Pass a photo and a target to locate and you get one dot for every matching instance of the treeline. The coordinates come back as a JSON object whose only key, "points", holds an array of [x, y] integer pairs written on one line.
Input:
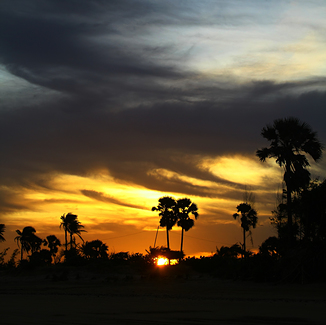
{"points": [[38, 252]]}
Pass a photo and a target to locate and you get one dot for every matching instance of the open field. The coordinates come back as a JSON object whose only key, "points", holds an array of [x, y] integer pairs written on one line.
{"points": [[79, 297]]}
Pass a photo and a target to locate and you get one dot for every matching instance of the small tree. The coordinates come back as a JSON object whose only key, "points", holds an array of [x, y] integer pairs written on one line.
{"points": [[94, 249], [53, 243]]}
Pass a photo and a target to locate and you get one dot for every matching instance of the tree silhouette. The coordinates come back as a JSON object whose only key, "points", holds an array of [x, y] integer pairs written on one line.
{"points": [[72, 226], [94, 249], [184, 207], [65, 225], [229, 252], [53, 243], [310, 210], [248, 219], [2, 230], [27, 240], [270, 247], [309, 214], [75, 228], [166, 207], [290, 140]]}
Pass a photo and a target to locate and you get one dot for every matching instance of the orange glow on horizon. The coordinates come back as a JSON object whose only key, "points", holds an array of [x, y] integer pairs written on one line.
{"points": [[119, 213]]}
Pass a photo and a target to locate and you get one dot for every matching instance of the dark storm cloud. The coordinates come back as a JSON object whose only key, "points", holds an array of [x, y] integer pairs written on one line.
{"points": [[86, 48], [125, 105], [130, 143], [65, 51]]}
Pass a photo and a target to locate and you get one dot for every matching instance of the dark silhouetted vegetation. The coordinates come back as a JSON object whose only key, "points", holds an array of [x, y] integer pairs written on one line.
{"points": [[248, 219], [94, 249], [166, 208], [2, 230], [290, 140], [72, 226], [184, 207], [177, 212], [27, 241]]}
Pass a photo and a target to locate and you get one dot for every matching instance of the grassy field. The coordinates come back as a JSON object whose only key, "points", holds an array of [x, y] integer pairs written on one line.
{"points": [[160, 297]]}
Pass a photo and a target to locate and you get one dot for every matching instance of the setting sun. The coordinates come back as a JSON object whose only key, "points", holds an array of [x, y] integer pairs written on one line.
{"points": [[161, 261]]}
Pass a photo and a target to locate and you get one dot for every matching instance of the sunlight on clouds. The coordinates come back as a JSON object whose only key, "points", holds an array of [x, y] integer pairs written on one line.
{"points": [[307, 55], [238, 169], [205, 187], [131, 205], [65, 196], [105, 220], [283, 62], [164, 173]]}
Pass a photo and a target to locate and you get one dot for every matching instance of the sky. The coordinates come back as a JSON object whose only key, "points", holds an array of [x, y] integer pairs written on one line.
{"points": [[106, 106]]}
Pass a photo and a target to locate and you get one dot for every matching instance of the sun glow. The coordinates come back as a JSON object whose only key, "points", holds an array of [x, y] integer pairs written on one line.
{"points": [[162, 261]]}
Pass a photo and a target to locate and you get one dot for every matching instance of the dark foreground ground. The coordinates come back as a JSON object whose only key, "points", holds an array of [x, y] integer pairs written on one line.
{"points": [[79, 297]]}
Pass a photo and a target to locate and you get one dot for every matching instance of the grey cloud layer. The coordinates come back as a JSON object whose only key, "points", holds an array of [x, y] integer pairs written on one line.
{"points": [[120, 105]]}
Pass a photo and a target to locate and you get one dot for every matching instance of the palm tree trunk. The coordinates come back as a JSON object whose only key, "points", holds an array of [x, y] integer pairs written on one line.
{"points": [[70, 241], [181, 240], [289, 204], [167, 237], [244, 242], [289, 211], [66, 240]]}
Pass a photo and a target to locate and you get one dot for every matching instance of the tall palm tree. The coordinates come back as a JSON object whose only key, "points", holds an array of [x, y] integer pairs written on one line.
{"points": [[166, 207], [248, 219], [71, 225], [65, 219], [184, 208], [75, 228], [2, 230], [290, 141], [27, 240]]}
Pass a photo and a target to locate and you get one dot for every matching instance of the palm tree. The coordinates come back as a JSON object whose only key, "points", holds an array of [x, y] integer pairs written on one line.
{"points": [[166, 207], [248, 219], [71, 225], [290, 140], [65, 225], [184, 207], [27, 240], [75, 228], [2, 230]]}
